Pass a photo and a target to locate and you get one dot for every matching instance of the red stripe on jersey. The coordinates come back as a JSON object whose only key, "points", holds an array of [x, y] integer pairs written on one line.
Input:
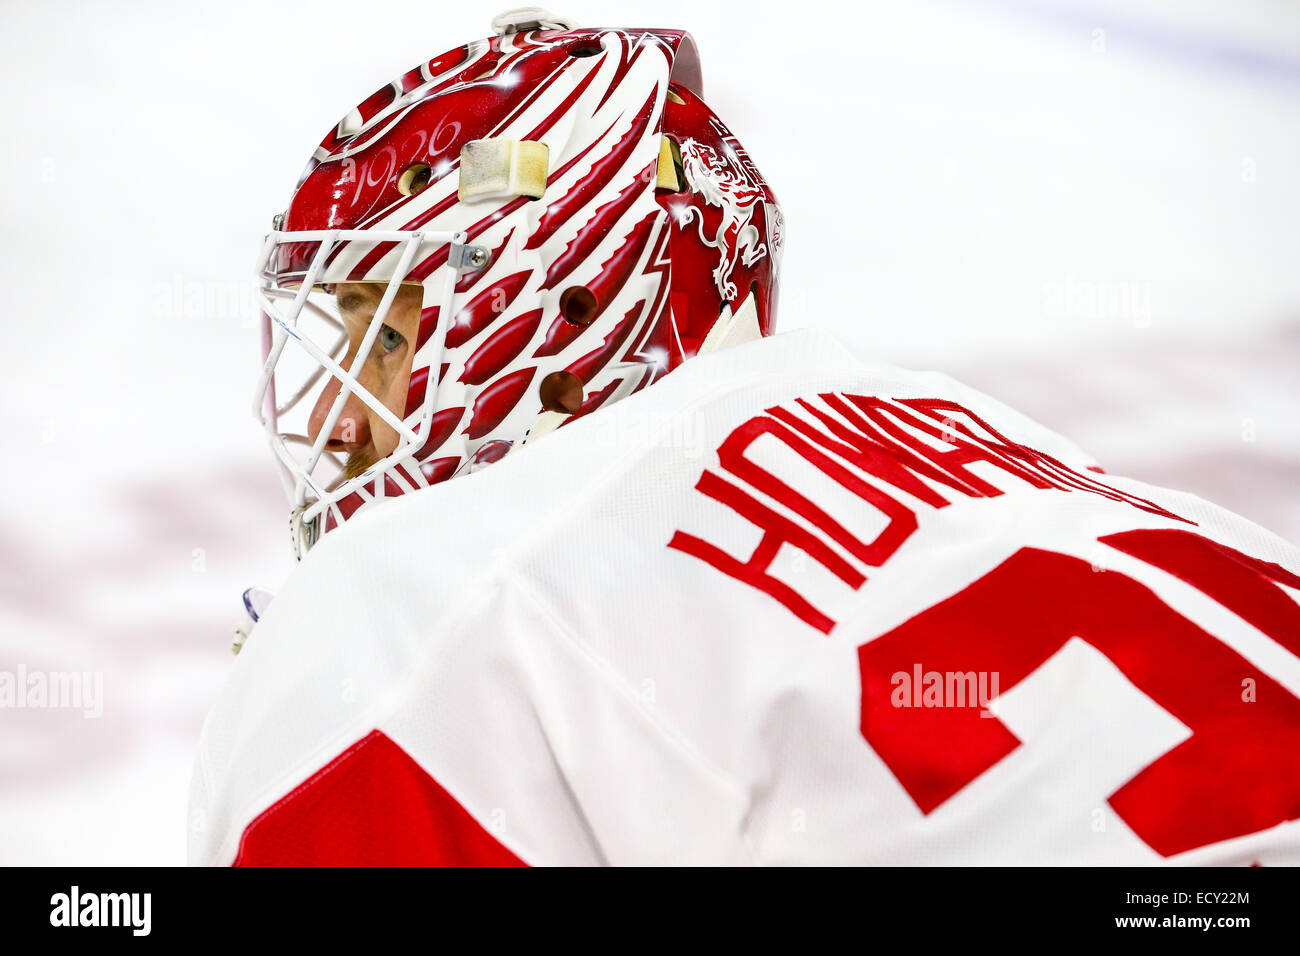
{"points": [[1237, 581], [370, 806]]}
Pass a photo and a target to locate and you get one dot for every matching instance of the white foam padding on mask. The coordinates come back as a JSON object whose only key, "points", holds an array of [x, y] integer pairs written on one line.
{"points": [[732, 329], [502, 168], [669, 161], [546, 423]]}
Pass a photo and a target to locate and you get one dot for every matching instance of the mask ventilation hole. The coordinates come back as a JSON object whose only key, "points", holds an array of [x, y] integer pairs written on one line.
{"points": [[586, 49], [578, 305], [413, 179], [561, 392]]}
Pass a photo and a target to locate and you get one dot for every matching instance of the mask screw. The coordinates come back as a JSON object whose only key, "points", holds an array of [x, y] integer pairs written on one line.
{"points": [[468, 258]]}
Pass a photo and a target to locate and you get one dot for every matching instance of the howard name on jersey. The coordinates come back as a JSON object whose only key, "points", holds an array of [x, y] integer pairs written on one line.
{"points": [[784, 607]]}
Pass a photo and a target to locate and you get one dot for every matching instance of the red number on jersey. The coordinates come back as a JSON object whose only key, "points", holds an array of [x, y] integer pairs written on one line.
{"points": [[1237, 773]]}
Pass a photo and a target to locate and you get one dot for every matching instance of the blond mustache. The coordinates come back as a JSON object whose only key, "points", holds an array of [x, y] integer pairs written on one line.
{"points": [[356, 464]]}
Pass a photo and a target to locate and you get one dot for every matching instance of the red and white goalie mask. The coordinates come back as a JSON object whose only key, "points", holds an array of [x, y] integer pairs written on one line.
{"points": [[503, 239]]}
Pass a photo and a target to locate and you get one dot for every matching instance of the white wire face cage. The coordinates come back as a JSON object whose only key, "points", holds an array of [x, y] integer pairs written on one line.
{"points": [[307, 348]]}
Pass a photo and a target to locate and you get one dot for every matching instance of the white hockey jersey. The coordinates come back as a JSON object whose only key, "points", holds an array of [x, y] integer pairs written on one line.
{"points": [[783, 607]]}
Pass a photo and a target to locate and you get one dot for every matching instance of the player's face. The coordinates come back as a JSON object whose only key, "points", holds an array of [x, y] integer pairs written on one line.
{"points": [[386, 374]]}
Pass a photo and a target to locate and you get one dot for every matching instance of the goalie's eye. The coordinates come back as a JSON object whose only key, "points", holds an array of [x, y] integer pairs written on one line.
{"points": [[390, 338]]}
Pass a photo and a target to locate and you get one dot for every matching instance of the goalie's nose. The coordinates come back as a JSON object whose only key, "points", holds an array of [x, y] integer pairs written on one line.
{"points": [[352, 430]]}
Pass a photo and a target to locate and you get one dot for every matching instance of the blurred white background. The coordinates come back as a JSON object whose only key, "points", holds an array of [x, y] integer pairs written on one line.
{"points": [[1090, 210]]}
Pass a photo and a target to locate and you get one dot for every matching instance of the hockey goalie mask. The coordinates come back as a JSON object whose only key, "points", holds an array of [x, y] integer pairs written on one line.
{"points": [[506, 238]]}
